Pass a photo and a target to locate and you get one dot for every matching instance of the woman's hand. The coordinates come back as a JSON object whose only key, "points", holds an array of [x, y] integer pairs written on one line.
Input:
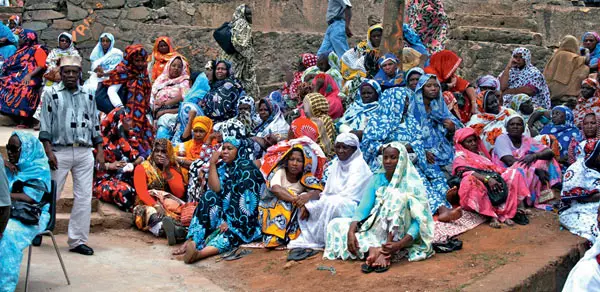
{"points": [[409, 148], [215, 157], [449, 124], [223, 227], [301, 200], [303, 213], [116, 165], [26, 79], [352, 242], [453, 81], [543, 175], [430, 157], [494, 185], [13, 168], [158, 104], [529, 159]]}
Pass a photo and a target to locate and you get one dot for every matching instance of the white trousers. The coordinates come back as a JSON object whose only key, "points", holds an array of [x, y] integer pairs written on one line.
{"points": [[80, 162]]}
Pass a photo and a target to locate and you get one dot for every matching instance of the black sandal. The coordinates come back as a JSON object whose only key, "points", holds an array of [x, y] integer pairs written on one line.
{"points": [[366, 268], [382, 269], [520, 219]]}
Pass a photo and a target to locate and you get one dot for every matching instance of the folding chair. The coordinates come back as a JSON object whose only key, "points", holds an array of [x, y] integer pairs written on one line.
{"points": [[50, 198]]}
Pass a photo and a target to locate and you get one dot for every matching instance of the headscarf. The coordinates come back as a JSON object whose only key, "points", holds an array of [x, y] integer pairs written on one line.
{"points": [[464, 157], [348, 178], [308, 61], [316, 106], [314, 70], [412, 71], [221, 102], [303, 126], [413, 39], [17, 19], [402, 201], [275, 123], [352, 62], [595, 54], [108, 61], [432, 127], [154, 174], [444, 64], [566, 69], [331, 93], [487, 81], [334, 70], [203, 123], [57, 53], [157, 60], [565, 132], [117, 143], [314, 160], [489, 126], [528, 76], [139, 89], [357, 115], [23, 61], [591, 104], [250, 119], [199, 90], [33, 166], [166, 88], [231, 128], [383, 79]]}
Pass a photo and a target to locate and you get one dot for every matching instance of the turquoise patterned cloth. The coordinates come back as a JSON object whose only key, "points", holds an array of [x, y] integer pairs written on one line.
{"points": [[399, 206], [33, 168]]}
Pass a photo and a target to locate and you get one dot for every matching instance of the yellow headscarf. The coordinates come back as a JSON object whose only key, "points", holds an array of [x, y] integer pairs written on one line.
{"points": [[204, 123]]}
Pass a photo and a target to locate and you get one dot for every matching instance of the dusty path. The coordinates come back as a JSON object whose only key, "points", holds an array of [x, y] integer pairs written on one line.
{"points": [[128, 260]]}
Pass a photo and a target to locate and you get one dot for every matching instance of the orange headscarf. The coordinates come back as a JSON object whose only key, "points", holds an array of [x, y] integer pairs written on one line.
{"points": [[160, 60]]}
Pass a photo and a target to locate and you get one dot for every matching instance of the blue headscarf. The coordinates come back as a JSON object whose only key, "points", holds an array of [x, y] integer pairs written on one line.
{"points": [[107, 61], [565, 132], [413, 70], [33, 166], [414, 40], [383, 79], [432, 127], [358, 113], [595, 55], [200, 88]]}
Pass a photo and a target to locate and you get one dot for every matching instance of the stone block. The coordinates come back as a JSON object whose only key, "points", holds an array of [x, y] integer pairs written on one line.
{"points": [[109, 13], [75, 12], [35, 25], [46, 15], [138, 13], [43, 6], [136, 3], [103, 4], [76, 2], [50, 35], [62, 24]]}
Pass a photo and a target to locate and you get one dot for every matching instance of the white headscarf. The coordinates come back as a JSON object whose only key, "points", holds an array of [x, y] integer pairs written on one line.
{"points": [[348, 178]]}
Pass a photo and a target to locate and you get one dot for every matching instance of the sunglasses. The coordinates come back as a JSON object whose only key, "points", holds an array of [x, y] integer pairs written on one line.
{"points": [[12, 148]]}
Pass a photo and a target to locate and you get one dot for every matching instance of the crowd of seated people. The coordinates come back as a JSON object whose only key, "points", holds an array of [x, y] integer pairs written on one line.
{"points": [[359, 157]]}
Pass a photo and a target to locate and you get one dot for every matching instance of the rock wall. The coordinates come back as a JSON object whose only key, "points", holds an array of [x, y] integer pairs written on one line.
{"points": [[482, 32]]}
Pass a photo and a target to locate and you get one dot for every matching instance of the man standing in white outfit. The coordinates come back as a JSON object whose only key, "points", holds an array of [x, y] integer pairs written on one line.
{"points": [[69, 128]]}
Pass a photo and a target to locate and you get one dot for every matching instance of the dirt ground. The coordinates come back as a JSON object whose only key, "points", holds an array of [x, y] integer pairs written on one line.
{"points": [[520, 250], [491, 260]]}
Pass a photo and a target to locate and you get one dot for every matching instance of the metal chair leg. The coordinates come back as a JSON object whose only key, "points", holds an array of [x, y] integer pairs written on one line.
{"points": [[28, 265], [59, 257]]}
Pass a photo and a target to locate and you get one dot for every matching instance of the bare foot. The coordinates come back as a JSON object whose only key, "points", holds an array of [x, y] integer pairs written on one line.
{"points": [[448, 215], [383, 260], [509, 222], [190, 252], [494, 223], [373, 255], [181, 249]]}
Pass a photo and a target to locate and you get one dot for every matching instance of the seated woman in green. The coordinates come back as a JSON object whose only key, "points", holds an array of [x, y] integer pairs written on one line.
{"points": [[393, 214]]}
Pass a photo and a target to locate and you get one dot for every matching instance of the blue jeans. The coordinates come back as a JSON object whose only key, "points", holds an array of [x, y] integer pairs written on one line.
{"points": [[335, 39]]}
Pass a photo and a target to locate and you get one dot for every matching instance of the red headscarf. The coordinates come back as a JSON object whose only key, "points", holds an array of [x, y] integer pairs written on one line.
{"points": [[304, 126], [331, 91], [464, 157], [444, 64]]}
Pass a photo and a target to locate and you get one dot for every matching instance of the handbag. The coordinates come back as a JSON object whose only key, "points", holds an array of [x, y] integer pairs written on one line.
{"points": [[496, 197], [223, 37], [27, 213]]}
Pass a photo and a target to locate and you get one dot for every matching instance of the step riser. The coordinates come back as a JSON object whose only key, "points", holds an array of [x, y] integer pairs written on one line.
{"points": [[508, 36], [98, 224], [65, 205], [494, 21]]}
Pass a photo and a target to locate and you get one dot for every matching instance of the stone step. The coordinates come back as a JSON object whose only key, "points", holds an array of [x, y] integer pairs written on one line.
{"points": [[65, 205], [107, 217], [494, 21], [497, 35]]}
